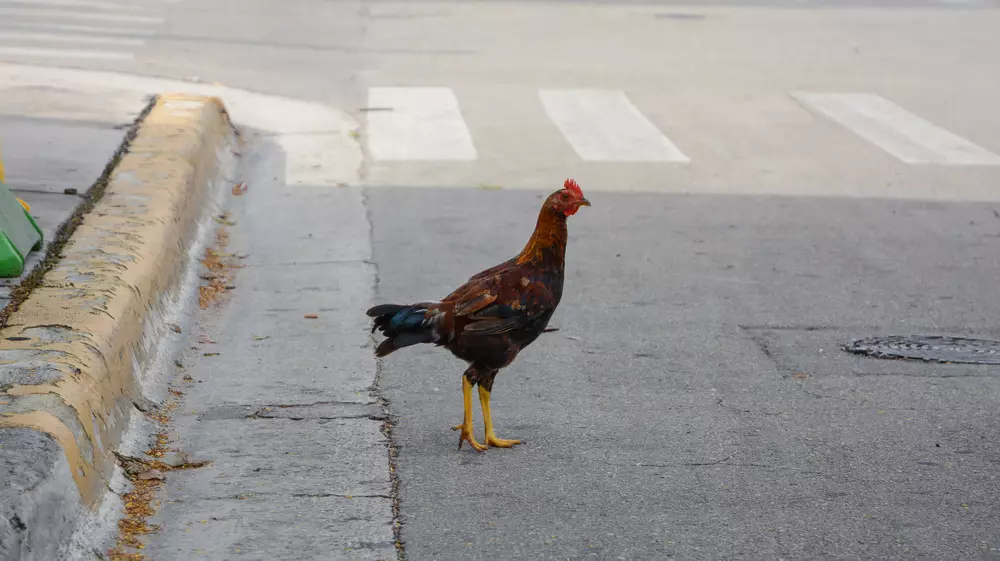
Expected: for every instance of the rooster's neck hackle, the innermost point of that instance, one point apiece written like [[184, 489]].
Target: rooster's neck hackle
[[548, 242]]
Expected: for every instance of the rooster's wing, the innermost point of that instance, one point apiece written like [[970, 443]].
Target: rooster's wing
[[507, 300]]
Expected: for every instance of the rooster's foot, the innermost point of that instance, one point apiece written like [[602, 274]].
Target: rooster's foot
[[491, 437], [492, 440], [467, 436]]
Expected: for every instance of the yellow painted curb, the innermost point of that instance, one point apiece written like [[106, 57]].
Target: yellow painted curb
[[75, 343]]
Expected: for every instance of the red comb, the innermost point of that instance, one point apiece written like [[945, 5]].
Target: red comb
[[571, 186]]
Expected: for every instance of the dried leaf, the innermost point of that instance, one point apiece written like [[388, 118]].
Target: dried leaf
[[176, 328], [240, 188], [311, 316], [211, 354]]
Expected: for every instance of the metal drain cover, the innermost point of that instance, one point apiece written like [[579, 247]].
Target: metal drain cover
[[931, 348]]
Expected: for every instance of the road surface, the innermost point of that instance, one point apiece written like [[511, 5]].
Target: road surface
[[769, 181]]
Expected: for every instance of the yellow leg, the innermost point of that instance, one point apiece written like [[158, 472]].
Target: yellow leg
[[491, 437], [466, 426]]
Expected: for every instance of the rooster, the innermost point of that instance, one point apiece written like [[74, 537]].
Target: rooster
[[496, 314]]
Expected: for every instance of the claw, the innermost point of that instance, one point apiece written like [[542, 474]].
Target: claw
[[467, 436], [501, 442]]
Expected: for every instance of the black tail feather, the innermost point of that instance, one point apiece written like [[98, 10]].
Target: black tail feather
[[383, 309], [382, 314], [401, 329]]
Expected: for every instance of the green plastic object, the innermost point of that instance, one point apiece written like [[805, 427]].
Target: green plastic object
[[19, 234]]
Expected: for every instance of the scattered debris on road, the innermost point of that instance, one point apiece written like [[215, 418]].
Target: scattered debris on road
[[146, 477], [219, 275]]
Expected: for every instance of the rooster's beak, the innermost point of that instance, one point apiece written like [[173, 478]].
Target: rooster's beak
[[584, 202]]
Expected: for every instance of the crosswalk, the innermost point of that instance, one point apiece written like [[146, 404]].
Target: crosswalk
[[427, 124], [908, 137], [603, 126], [417, 124], [54, 31]]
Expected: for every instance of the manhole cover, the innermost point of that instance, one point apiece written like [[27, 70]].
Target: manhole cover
[[933, 348]]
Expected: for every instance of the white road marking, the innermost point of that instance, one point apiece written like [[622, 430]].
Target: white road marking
[[63, 53], [77, 28], [92, 16], [902, 134], [604, 126], [78, 3], [319, 149], [417, 124], [59, 38]]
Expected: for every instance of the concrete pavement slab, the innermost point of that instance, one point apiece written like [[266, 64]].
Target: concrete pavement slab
[[281, 404]]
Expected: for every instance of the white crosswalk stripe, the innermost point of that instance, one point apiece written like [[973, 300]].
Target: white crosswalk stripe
[[906, 136], [81, 4], [67, 38], [604, 126], [63, 53], [417, 124], [83, 16], [75, 30], [96, 31]]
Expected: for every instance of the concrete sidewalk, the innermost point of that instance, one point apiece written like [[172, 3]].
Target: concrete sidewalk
[[75, 350], [68, 124]]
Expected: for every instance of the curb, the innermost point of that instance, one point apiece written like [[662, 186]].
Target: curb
[[73, 348]]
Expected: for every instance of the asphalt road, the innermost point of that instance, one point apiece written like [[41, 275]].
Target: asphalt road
[[695, 402]]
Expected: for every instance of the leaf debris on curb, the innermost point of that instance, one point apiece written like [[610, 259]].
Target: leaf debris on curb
[[219, 275], [146, 477]]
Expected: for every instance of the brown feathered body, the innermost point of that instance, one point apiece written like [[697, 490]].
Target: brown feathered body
[[496, 314]]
